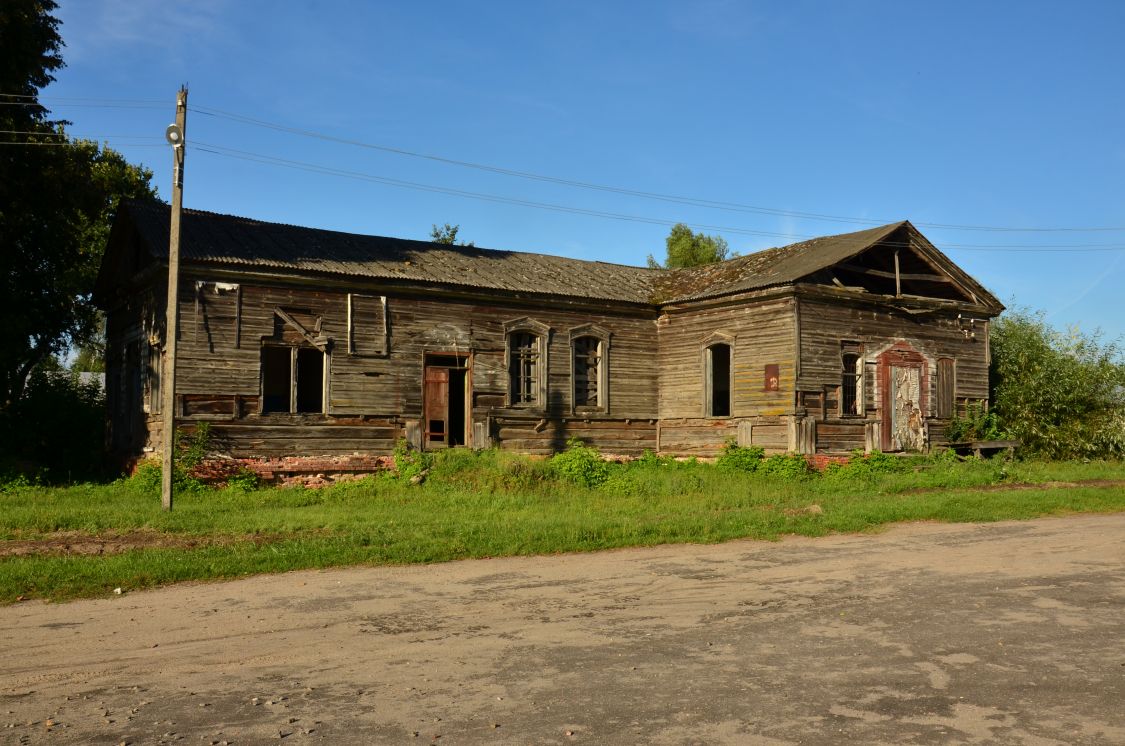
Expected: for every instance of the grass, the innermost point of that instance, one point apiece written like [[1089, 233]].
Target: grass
[[496, 504]]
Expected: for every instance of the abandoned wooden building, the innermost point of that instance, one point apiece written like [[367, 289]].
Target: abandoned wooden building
[[303, 342]]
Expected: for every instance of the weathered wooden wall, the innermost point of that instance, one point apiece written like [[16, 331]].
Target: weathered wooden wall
[[762, 333], [374, 392], [825, 324]]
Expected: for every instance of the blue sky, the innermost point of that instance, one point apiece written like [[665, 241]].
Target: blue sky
[[1005, 115]]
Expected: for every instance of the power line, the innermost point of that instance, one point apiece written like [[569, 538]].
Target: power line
[[697, 202], [361, 176]]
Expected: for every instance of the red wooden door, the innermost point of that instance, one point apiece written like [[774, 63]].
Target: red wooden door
[[435, 405]]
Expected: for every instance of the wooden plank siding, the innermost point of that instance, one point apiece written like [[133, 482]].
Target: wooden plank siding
[[826, 325], [371, 396], [762, 334]]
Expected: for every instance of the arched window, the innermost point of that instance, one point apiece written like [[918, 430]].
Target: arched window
[[851, 379], [589, 368], [526, 341], [718, 380], [523, 367]]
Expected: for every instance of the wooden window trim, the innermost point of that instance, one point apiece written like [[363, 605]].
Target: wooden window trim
[[604, 337], [542, 334], [852, 347]]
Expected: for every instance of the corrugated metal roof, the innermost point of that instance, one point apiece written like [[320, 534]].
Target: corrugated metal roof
[[212, 238]]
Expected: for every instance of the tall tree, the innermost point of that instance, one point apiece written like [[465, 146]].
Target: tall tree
[[447, 234], [57, 197], [687, 249]]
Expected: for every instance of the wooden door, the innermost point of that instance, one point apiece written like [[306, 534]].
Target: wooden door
[[435, 406], [904, 405]]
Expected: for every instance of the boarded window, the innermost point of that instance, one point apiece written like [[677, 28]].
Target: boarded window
[[587, 372], [718, 380], [946, 385], [523, 367], [292, 379], [367, 324]]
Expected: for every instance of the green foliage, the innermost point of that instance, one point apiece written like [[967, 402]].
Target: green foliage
[[55, 432], [409, 462], [785, 466], [978, 423], [740, 458], [447, 234], [1061, 394], [244, 480], [687, 249], [56, 206], [580, 464], [865, 467]]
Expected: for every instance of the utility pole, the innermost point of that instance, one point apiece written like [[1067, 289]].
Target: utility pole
[[175, 137]]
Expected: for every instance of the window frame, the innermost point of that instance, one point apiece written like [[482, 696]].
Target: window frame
[[542, 335], [603, 337], [851, 348], [293, 380]]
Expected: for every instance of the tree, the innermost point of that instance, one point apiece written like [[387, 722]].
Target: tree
[[57, 198], [687, 249], [1061, 394], [447, 234]]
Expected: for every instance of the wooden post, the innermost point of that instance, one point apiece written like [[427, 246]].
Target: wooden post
[[898, 277], [172, 314]]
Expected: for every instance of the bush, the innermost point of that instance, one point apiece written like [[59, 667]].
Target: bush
[[580, 464], [866, 466], [55, 432], [409, 462], [785, 466], [1062, 395], [740, 458], [977, 424]]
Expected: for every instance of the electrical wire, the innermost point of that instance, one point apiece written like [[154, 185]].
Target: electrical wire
[[389, 181], [696, 202]]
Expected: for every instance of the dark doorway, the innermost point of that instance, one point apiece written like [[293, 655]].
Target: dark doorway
[[276, 378], [310, 380], [445, 401]]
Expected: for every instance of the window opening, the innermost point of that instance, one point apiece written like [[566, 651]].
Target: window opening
[[292, 379], [523, 366], [718, 358], [587, 371], [276, 378], [850, 383]]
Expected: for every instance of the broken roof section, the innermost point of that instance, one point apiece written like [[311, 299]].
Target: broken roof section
[[848, 261]]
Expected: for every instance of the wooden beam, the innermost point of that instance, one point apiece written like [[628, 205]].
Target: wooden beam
[[894, 275]]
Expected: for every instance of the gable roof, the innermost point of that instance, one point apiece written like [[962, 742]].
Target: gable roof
[[229, 241], [770, 267]]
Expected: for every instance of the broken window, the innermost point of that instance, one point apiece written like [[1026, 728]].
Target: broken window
[[851, 379], [523, 367], [718, 380], [292, 379], [587, 372]]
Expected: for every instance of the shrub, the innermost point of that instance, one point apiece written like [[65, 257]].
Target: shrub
[[865, 466], [977, 424], [55, 432], [410, 462], [740, 458], [580, 464], [1061, 394], [785, 466]]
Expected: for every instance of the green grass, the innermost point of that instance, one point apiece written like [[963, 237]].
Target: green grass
[[496, 504]]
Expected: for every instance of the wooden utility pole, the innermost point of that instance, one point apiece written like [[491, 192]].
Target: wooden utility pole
[[175, 136]]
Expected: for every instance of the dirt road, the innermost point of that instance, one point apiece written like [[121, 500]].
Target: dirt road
[[1000, 633]]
